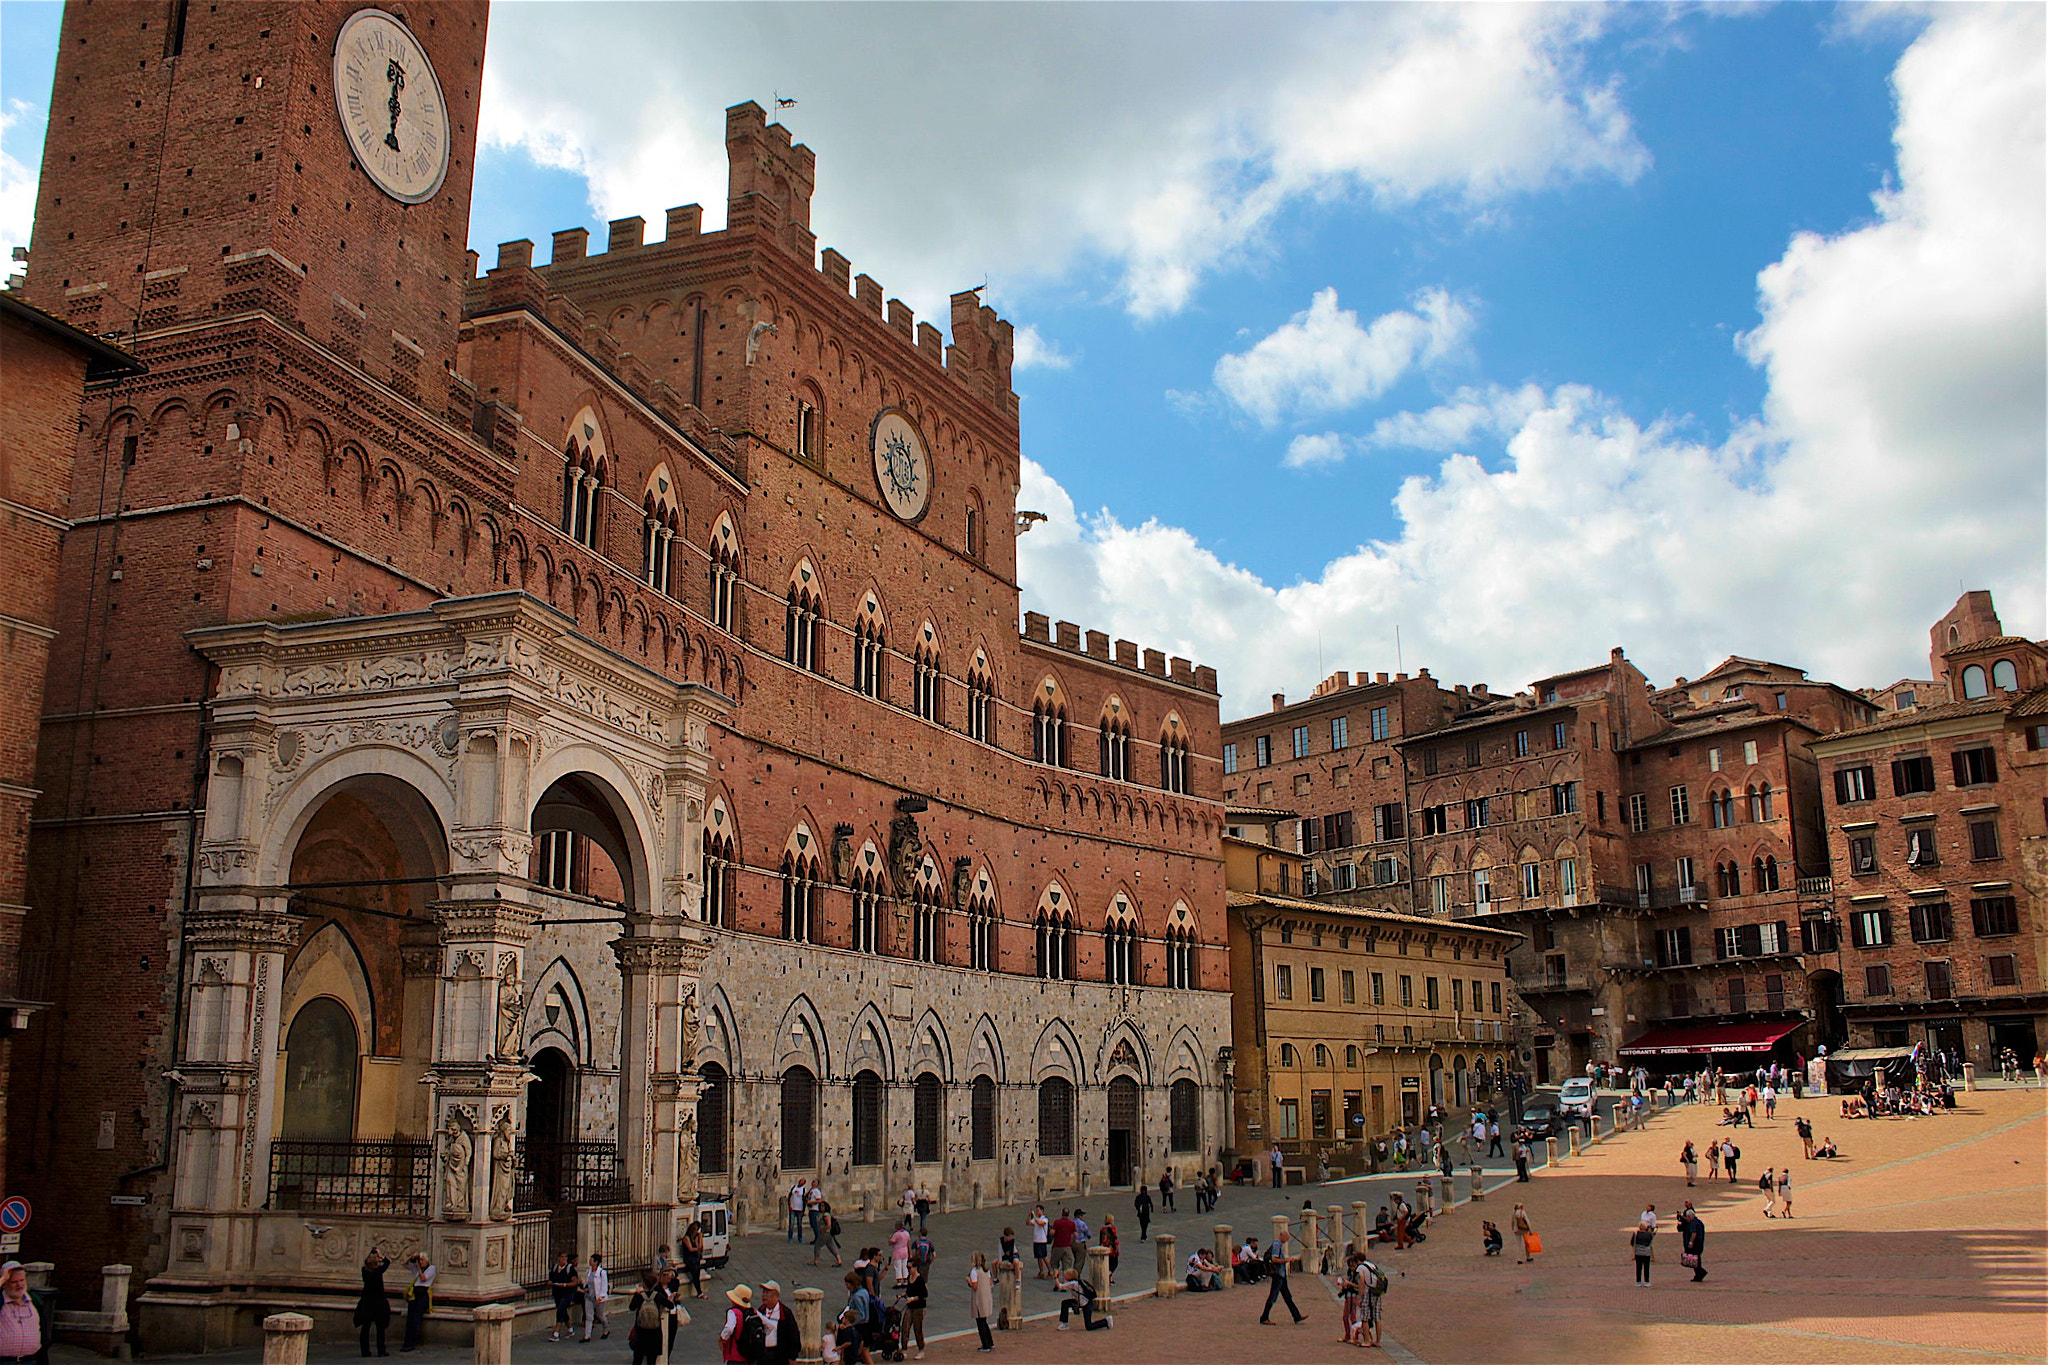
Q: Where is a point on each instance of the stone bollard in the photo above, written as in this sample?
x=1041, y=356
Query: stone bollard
x=1571, y=1135
x=114, y=1296
x=1010, y=1296
x=1098, y=1273
x=1620, y=1118
x=1478, y=1183
x=1969, y=1075
x=1311, y=1241
x=1361, y=1224
x=1226, y=1254
x=1445, y=1200
x=492, y=1333
x=1550, y=1151
x=1333, y=1223
x=1169, y=1278
x=284, y=1338
x=1279, y=1228
x=810, y=1324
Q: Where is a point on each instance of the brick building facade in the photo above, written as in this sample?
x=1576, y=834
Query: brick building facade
x=48, y=365
x=554, y=736
x=1935, y=827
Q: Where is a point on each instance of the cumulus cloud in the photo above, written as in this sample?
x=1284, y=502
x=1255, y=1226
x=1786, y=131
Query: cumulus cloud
x=17, y=184
x=1900, y=452
x=1035, y=352
x=928, y=176
x=1312, y=449
x=1323, y=360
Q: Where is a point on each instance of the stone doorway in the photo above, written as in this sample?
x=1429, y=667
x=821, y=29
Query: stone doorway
x=1123, y=1131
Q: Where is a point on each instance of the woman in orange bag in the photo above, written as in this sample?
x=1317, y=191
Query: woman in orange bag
x=1532, y=1245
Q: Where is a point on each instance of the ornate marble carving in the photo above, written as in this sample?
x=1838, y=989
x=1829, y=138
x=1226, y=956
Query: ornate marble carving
x=511, y=1007
x=504, y=1157
x=458, y=1149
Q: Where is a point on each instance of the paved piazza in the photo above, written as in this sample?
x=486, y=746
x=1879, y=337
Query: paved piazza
x=1927, y=1241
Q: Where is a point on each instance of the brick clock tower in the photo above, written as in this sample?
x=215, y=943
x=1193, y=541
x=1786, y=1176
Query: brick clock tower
x=269, y=204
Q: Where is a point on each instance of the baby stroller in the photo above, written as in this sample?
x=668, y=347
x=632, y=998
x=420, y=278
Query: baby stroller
x=886, y=1342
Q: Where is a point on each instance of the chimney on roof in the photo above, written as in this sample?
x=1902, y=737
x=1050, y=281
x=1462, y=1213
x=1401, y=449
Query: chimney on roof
x=1279, y=700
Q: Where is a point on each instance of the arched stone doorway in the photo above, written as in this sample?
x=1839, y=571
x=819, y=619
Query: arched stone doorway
x=1123, y=1130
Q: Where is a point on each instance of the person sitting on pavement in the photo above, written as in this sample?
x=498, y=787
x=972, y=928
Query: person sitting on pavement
x=1250, y=1267
x=1383, y=1226
x=1204, y=1275
x=1490, y=1239
x=1827, y=1149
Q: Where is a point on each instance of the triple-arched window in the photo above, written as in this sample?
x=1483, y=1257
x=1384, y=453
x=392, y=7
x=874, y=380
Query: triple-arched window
x=1055, y=945
x=806, y=610
x=661, y=523
x=583, y=477
x=1120, y=965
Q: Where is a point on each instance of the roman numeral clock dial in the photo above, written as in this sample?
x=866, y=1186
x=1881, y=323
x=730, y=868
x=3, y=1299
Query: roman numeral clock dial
x=903, y=472
x=391, y=107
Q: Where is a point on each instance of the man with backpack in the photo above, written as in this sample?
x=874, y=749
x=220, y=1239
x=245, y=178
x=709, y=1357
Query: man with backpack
x=1080, y=1297
x=1276, y=1267
x=650, y=1307
x=1730, y=1154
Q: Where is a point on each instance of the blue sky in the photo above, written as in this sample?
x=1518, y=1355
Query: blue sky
x=1526, y=330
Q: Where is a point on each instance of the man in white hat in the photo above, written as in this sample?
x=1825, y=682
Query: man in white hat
x=21, y=1327
x=779, y=1334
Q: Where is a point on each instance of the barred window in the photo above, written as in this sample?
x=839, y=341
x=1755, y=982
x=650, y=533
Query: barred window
x=1184, y=1116
x=1055, y=1117
x=927, y=1119
x=868, y=1101
x=799, y=1119
x=712, y=1107
x=982, y=1111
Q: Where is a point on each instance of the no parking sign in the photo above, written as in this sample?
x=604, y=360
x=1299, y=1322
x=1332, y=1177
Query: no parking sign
x=14, y=1214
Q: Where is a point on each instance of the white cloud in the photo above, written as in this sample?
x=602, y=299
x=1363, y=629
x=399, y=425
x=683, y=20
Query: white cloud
x=1323, y=361
x=1034, y=352
x=1492, y=411
x=1311, y=451
x=17, y=187
x=1075, y=138
x=1900, y=454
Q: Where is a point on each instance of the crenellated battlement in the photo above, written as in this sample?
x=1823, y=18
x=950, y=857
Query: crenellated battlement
x=1065, y=635
x=771, y=178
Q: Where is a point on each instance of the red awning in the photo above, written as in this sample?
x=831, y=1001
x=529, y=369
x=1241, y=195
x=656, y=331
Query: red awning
x=1707, y=1038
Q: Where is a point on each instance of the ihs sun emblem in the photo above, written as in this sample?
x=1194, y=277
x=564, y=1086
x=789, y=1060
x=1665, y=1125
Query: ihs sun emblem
x=901, y=462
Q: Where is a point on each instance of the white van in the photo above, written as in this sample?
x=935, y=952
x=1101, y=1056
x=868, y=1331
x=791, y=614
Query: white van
x=717, y=1220
x=1575, y=1097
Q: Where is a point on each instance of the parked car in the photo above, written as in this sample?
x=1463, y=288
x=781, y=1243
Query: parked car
x=1575, y=1098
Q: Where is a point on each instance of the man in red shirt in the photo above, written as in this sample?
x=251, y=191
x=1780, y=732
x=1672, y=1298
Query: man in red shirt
x=1062, y=1242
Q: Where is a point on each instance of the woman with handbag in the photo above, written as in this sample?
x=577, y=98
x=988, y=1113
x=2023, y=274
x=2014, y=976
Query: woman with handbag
x=827, y=1237
x=1532, y=1243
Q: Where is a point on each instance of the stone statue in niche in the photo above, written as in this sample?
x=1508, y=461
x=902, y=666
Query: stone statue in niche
x=963, y=880
x=458, y=1149
x=687, y=1156
x=504, y=1158
x=692, y=1030
x=511, y=1010
x=906, y=852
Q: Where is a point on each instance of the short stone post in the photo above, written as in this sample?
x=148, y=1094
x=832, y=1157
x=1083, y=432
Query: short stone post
x=114, y=1296
x=492, y=1339
x=810, y=1324
x=284, y=1338
x=1550, y=1151
x=1572, y=1138
x=1226, y=1253
x=1333, y=1220
x=1098, y=1273
x=1010, y=1296
x=1311, y=1240
x=38, y=1273
x=1478, y=1182
x=1445, y=1200
x=1620, y=1118
x=1169, y=1280
x=1279, y=1227
x=1969, y=1075
x=1361, y=1224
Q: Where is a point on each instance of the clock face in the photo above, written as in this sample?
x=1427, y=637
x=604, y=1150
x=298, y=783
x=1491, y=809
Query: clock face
x=391, y=107
x=903, y=472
